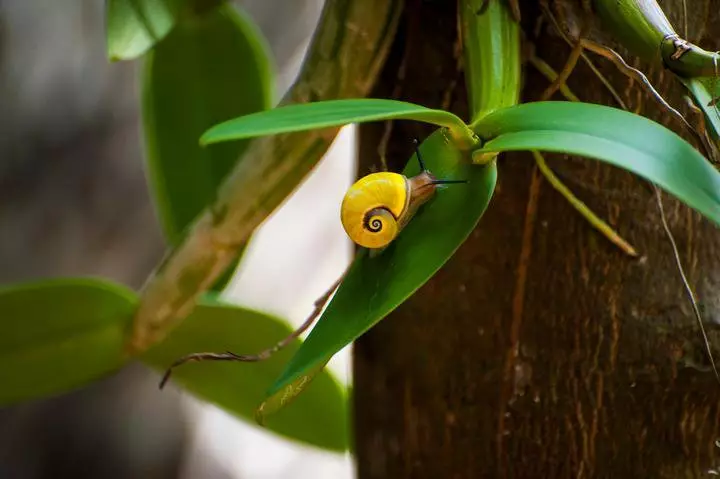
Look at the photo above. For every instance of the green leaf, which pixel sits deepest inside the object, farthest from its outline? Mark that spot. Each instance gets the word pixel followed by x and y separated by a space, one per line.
pixel 321 416
pixel 211 67
pixel 614 136
pixel 60 334
pixel 331 113
pixel 704 91
pixel 493 63
pixel 134 26
pixel 375 286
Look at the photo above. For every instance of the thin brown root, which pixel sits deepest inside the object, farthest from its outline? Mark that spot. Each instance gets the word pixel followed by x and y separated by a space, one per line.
pixel 636 74
pixel 548 14
pixel 686 283
pixel 548 72
pixel 565 73
pixel 616 96
pixel 263 355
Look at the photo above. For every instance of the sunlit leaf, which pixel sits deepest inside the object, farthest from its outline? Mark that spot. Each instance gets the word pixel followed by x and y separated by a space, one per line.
pixel 60 334
pixel 321 416
pixel 375 286
pixel 134 26
pixel 614 136
pixel 324 114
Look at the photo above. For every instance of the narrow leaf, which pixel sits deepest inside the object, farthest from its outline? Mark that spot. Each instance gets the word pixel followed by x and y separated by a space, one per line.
pixel 60 334
pixel 622 139
pixel 493 64
pixel 321 416
pixel 135 26
pixel 331 113
pixel 706 92
pixel 375 286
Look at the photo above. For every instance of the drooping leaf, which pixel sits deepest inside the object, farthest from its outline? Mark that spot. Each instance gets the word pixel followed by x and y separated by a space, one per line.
pixel 324 114
pixel 134 26
pixel 622 139
pixel 321 416
pixel 60 334
pixel 213 66
pixel 375 286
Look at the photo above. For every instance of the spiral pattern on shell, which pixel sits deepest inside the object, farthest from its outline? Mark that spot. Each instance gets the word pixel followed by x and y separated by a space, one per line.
pixel 372 208
pixel 375 218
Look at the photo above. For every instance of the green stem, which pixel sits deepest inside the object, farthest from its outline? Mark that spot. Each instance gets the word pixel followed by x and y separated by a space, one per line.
pixel 642 27
pixel 491 40
pixel 342 62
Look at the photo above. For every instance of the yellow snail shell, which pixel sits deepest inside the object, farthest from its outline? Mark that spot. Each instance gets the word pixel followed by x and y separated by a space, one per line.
pixel 379 205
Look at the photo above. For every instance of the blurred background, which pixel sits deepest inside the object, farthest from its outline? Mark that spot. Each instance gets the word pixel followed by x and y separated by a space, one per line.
pixel 74 201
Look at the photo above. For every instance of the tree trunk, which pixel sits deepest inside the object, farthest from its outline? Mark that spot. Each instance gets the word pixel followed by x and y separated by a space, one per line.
pixel 541 350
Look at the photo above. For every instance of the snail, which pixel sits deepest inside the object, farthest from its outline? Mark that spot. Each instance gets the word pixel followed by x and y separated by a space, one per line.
pixel 378 206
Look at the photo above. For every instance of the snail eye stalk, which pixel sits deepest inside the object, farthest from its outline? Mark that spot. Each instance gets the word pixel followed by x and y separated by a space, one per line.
pixel 423 169
pixel 417 153
pixel 448 182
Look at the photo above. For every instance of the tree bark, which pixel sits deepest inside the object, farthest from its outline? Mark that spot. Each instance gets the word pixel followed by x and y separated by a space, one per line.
pixel 540 350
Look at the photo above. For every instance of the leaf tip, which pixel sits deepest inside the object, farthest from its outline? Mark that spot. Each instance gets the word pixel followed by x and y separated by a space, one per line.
pixel 205 139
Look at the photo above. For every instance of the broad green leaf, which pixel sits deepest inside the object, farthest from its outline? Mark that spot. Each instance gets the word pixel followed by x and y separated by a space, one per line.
pixel 331 113
pixel 614 136
pixel 134 26
pixel 212 67
pixel 374 286
pixel 60 334
pixel 321 416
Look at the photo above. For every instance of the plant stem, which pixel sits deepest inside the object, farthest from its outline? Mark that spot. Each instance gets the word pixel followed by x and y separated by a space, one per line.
pixel 491 39
pixel 344 59
pixel 641 25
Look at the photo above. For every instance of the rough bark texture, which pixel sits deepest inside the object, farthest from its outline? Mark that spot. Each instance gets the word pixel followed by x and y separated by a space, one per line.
pixel 540 350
